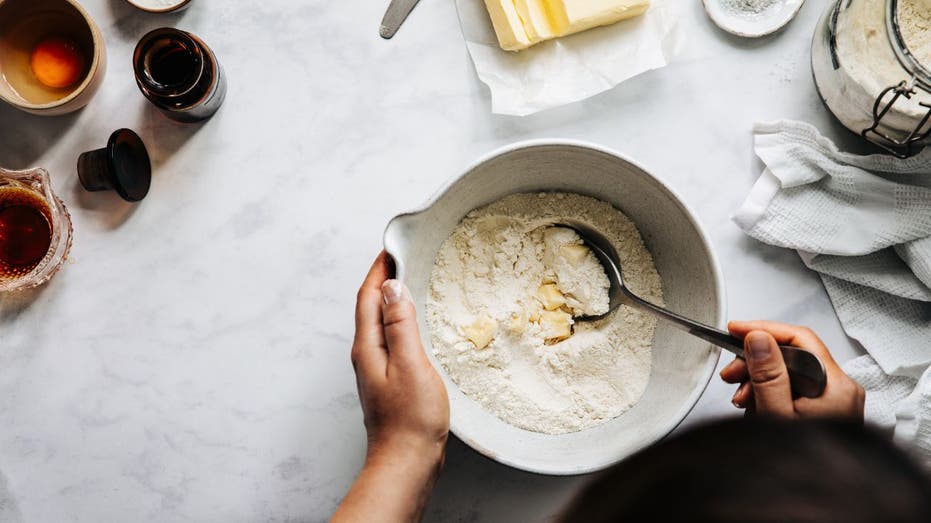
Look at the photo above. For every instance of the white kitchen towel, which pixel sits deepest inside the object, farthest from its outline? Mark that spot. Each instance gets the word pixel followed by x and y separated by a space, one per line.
pixel 900 404
pixel 863 224
pixel 883 392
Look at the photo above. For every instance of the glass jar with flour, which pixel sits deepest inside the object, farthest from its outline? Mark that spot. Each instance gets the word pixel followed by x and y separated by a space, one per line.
pixel 872 65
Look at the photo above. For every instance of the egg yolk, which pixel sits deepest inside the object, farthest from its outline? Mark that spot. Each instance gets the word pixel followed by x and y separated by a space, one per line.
pixel 57 62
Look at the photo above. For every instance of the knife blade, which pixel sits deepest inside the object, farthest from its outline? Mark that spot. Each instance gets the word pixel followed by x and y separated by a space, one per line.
pixel 395 15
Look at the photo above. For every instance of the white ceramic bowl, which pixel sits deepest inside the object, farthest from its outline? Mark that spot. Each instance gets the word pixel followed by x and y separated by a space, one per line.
pixel 692 282
pixel 160 6
pixel 749 25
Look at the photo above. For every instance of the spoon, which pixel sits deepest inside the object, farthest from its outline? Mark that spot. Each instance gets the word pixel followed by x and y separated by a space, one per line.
pixel 744 22
pixel 806 371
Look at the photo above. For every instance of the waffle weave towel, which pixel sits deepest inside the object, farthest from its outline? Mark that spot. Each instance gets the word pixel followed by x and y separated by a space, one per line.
pixel 864 224
pixel 865 232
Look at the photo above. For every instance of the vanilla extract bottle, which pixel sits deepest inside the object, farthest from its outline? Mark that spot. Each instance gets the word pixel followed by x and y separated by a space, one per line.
pixel 179 74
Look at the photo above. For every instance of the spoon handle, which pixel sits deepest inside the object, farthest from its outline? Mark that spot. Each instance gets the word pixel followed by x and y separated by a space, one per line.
pixel 806 371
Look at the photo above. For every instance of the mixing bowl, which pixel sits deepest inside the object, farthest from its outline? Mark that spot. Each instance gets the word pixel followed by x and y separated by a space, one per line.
pixel 692 284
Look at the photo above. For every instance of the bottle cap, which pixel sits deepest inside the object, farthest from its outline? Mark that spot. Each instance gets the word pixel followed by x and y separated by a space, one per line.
pixel 123 166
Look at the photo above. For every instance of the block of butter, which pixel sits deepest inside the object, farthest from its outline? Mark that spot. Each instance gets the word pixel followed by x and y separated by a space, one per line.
pixel 520 24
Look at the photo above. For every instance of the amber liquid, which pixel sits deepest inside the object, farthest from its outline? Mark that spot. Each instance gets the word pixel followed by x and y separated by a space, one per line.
pixel 173 65
pixel 25 231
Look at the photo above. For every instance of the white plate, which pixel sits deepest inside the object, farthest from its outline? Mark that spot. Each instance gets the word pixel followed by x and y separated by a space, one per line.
pixel 752 25
pixel 160 6
pixel 692 284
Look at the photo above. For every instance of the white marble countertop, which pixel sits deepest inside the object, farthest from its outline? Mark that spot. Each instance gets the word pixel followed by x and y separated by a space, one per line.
pixel 191 360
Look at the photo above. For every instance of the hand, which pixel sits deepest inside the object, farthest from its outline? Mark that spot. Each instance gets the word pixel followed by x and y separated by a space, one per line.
pixel 764 380
pixel 404 403
pixel 403 398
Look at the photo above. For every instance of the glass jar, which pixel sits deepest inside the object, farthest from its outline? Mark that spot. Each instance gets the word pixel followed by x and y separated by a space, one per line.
pixel 868 75
pixel 179 74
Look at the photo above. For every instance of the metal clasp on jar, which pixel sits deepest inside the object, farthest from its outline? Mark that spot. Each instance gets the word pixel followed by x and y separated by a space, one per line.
pixel 901 147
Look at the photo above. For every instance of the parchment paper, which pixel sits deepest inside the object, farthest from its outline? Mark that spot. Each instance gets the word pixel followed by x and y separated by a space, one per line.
pixel 571 68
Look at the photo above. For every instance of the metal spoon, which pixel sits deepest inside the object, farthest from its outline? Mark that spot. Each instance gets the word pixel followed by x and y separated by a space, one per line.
pixel 806 371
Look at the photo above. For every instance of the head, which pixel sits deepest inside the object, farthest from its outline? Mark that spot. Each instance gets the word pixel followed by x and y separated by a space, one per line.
pixel 756 470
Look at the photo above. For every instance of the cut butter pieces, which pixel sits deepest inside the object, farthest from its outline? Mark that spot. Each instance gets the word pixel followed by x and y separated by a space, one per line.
pixel 550 297
pixel 481 332
pixel 574 254
pixel 556 325
pixel 520 24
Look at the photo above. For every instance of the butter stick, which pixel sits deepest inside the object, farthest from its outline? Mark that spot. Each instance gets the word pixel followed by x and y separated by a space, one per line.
pixel 520 24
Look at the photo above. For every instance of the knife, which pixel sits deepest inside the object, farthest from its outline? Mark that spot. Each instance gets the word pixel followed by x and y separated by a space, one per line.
pixel 395 15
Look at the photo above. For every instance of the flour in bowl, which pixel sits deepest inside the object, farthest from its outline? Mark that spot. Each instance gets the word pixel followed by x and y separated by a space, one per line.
pixel 504 292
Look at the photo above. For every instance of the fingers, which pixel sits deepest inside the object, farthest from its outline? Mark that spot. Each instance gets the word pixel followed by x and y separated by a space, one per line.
pixel 784 334
pixel 744 396
pixel 400 323
pixel 735 371
pixel 768 375
pixel 368 349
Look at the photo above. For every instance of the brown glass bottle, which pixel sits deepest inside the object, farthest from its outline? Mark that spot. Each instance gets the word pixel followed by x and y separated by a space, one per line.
pixel 179 74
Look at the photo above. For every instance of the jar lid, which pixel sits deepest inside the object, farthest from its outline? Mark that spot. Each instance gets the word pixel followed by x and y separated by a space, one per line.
pixel 123 166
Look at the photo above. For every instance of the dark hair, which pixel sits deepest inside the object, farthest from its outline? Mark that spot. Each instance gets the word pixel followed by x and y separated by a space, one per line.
pixel 756 470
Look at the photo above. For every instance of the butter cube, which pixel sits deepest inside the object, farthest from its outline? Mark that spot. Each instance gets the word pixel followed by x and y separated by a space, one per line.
pixel 550 297
pixel 518 324
pixel 481 332
pixel 557 326
pixel 511 33
pixel 574 254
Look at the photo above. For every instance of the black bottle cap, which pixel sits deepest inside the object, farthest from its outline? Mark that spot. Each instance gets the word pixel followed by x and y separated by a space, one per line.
pixel 123 166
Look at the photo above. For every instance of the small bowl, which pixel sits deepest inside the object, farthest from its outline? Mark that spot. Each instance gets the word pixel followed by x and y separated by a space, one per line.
pixel 692 284
pixel 160 6
pixel 64 17
pixel 753 25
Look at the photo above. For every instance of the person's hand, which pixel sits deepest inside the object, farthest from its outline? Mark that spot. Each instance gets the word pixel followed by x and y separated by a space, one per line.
pixel 764 381
pixel 404 403
pixel 403 397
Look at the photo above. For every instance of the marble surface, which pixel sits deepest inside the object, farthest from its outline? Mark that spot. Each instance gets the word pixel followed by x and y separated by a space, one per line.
pixel 191 360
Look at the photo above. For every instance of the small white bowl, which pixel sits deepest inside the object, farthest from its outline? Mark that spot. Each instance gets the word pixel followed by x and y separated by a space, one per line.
pixel 692 284
pixel 160 6
pixel 753 25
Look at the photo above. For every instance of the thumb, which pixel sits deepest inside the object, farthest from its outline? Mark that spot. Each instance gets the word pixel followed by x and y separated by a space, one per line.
pixel 400 321
pixel 768 375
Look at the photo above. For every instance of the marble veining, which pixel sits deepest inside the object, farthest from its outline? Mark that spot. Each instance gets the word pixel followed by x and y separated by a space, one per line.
pixel 191 360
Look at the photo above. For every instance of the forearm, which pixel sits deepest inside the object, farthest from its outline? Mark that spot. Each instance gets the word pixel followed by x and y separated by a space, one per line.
pixel 393 486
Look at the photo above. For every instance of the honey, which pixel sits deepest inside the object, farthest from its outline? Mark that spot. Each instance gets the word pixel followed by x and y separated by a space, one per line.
pixel 25 231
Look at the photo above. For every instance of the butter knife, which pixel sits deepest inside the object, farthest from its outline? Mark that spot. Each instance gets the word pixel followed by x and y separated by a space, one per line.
pixel 395 15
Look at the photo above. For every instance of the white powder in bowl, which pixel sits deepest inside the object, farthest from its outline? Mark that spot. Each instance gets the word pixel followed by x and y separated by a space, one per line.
pixel 749 7
pixel 492 333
